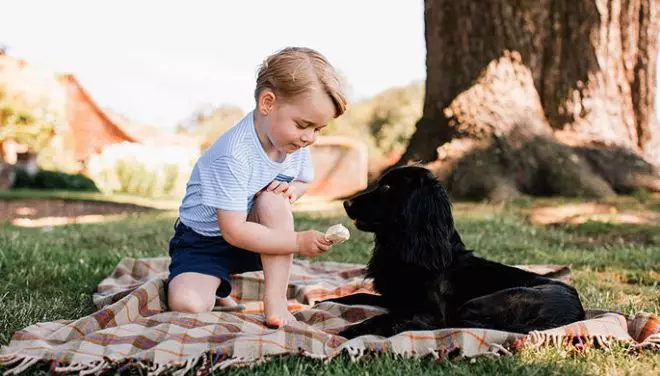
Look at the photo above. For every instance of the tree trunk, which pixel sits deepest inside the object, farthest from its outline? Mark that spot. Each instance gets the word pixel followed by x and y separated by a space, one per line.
pixel 7 172
pixel 540 97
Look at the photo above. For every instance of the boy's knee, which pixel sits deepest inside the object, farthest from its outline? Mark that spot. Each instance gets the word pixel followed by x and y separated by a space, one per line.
pixel 189 304
pixel 272 200
pixel 269 205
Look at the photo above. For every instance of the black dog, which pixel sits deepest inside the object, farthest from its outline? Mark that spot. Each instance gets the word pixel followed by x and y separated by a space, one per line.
pixel 426 277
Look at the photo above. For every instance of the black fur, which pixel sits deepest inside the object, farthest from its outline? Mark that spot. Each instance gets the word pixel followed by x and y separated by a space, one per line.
pixel 426 277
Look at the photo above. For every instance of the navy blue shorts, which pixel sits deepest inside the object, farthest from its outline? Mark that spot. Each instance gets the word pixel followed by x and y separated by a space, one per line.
pixel 211 255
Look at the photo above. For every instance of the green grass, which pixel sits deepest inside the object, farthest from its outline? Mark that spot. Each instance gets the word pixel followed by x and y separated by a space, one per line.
pixel 47 276
pixel 22 194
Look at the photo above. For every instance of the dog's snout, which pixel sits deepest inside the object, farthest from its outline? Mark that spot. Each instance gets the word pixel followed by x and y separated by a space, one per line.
pixel 347 204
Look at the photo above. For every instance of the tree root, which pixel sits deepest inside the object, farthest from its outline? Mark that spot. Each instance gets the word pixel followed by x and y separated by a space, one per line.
pixel 508 166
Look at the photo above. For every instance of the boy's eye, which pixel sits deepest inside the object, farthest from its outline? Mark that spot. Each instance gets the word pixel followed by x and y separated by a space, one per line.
pixel 300 126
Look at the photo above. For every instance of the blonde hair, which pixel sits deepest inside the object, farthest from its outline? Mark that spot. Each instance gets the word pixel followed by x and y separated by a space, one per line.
pixel 293 71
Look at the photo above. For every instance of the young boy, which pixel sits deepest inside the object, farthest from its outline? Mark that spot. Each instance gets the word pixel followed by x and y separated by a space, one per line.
pixel 236 215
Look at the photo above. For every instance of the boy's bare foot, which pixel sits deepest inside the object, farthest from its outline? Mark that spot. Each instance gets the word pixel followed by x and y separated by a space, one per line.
pixel 277 313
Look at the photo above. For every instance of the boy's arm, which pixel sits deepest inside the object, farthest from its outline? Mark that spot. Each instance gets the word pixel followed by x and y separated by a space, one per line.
pixel 252 236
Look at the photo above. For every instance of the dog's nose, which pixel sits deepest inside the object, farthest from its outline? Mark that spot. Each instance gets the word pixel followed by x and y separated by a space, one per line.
pixel 347 204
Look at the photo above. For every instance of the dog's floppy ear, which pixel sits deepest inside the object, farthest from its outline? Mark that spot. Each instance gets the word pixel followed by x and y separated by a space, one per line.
pixel 429 227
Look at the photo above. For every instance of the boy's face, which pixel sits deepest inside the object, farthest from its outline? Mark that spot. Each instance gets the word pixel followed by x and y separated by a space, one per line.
pixel 296 124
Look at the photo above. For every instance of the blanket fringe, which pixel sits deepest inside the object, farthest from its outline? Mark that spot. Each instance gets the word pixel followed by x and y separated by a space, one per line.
pixel 74 367
pixel 535 340
pixel 155 369
pixel 497 350
pixel 188 365
pixel 95 369
pixel 229 362
pixel 212 360
pixel 10 359
pixel 26 362
pixel 355 353
pixel 651 342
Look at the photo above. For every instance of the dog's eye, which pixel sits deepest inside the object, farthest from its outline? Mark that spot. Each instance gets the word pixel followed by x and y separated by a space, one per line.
pixel 384 188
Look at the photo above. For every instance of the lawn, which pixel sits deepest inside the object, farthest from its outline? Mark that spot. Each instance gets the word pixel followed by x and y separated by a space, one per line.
pixel 50 275
pixel 23 194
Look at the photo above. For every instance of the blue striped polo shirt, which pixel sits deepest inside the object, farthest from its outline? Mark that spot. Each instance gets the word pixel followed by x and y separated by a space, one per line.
pixel 230 172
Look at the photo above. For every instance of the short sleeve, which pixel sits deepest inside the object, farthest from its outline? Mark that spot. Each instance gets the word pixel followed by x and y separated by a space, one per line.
pixel 306 173
pixel 224 184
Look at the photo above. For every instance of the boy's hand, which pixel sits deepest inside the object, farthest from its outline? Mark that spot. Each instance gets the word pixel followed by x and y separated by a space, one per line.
pixel 284 188
pixel 312 243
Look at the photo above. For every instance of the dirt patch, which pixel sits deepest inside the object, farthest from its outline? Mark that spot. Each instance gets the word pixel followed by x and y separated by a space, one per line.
pixel 575 214
pixel 45 212
pixel 597 224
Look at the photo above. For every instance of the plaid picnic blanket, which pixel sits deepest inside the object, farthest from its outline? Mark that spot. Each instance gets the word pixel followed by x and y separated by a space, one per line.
pixel 133 327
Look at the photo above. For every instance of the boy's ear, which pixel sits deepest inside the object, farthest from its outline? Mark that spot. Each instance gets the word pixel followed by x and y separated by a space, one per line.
pixel 266 101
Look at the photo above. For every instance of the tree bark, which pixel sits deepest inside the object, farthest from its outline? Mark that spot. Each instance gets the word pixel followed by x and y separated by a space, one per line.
pixel 540 97
pixel 7 173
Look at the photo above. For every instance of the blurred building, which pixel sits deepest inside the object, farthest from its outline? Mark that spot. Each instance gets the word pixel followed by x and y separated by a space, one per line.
pixel 89 127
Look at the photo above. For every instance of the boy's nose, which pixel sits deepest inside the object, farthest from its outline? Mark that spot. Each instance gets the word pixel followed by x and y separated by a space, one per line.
pixel 308 137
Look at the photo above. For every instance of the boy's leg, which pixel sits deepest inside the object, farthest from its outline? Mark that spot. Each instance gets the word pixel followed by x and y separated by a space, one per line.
pixel 192 292
pixel 274 211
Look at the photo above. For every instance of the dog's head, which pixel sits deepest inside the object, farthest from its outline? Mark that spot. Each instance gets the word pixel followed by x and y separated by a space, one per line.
pixel 410 213
pixel 405 198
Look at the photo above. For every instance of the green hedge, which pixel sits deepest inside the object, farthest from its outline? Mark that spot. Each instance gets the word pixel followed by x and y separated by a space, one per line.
pixel 53 180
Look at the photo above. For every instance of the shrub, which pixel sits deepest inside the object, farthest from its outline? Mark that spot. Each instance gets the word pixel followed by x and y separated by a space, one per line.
pixel 385 122
pixel 53 180
pixel 145 170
